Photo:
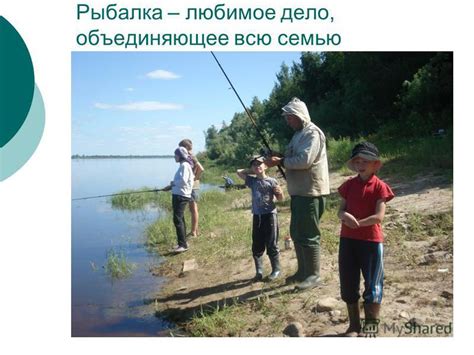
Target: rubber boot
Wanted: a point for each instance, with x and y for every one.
(311, 267)
(299, 275)
(275, 262)
(258, 268)
(371, 321)
(353, 312)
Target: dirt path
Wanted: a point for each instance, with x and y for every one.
(418, 277)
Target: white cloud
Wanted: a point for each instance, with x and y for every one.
(129, 89)
(162, 75)
(140, 106)
(103, 106)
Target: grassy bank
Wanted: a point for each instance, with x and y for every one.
(223, 225)
(402, 158)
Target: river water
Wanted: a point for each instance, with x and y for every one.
(101, 305)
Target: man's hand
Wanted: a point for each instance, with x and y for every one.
(272, 161)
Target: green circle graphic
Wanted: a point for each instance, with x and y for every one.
(17, 81)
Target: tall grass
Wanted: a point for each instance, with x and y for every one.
(407, 157)
(339, 152)
(221, 321)
(117, 266)
(138, 199)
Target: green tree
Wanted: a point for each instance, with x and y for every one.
(426, 102)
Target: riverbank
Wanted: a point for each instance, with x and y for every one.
(216, 297)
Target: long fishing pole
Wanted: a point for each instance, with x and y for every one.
(249, 114)
(119, 194)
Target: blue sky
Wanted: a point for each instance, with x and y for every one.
(146, 102)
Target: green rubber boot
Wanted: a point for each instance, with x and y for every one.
(299, 275)
(311, 267)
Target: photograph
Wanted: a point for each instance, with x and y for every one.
(261, 194)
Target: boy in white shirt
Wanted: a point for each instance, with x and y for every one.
(181, 188)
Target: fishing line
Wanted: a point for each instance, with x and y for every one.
(119, 194)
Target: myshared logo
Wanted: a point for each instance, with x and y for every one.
(372, 327)
(413, 328)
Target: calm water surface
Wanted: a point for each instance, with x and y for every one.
(102, 306)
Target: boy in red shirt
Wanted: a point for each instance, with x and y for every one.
(361, 245)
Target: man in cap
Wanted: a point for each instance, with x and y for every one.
(307, 175)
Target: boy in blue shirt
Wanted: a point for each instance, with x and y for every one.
(265, 223)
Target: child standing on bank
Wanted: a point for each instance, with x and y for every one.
(265, 223)
(193, 204)
(361, 212)
(181, 188)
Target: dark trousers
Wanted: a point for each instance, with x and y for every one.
(265, 234)
(356, 256)
(179, 205)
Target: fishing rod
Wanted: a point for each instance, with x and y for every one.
(249, 114)
(119, 194)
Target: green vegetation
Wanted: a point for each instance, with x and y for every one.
(137, 200)
(117, 266)
(219, 322)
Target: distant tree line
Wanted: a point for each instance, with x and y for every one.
(397, 94)
(79, 156)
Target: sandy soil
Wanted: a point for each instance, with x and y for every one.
(418, 279)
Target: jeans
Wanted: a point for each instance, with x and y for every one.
(179, 205)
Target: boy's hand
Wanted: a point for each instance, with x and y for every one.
(350, 221)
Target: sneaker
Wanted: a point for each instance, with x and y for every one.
(180, 249)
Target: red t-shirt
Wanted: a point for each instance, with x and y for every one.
(361, 198)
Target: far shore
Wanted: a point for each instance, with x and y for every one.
(76, 156)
